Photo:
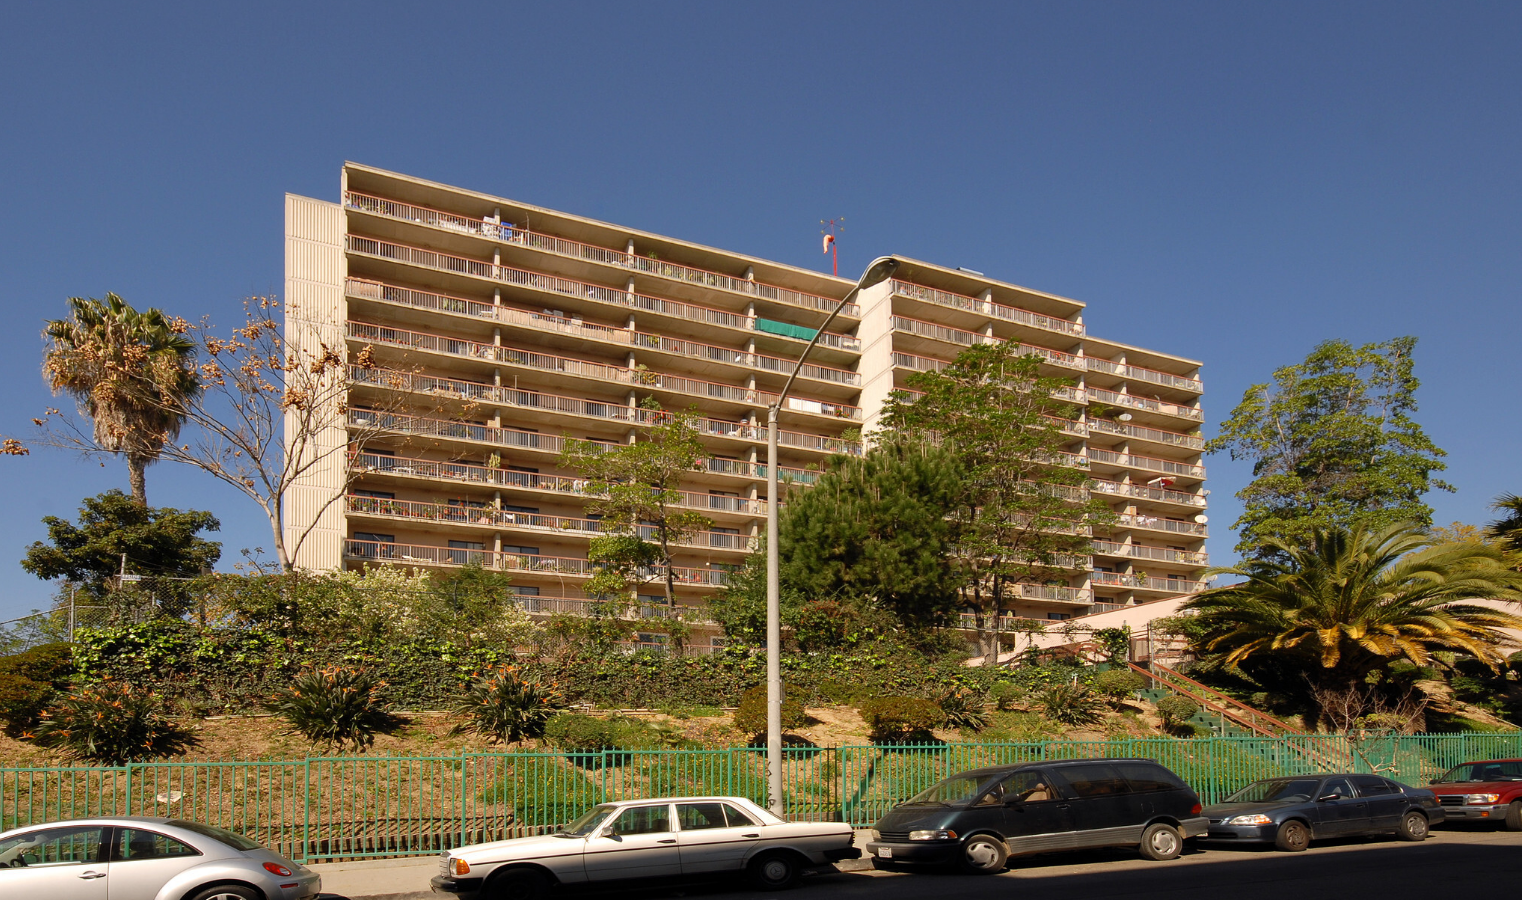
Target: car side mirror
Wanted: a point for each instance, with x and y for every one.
(1013, 801)
(1325, 797)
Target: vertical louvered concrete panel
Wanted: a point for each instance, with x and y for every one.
(314, 315)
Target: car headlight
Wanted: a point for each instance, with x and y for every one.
(1481, 799)
(876, 835)
(1255, 819)
(943, 834)
(459, 867)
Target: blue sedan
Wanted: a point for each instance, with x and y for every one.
(1291, 812)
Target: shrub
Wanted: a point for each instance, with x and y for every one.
(113, 723)
(750, 716)
(505, 707)
(1005, 694)
(963, 708)
(1117, 685)
(49, 664)
(335, 707)
(22, 701)
(1175, 710)
(580, 733)
(896, 720)
(1070, 704)
(541, 794)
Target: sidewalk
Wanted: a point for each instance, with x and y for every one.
(407, 878)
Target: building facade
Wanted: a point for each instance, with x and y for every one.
(481, 332)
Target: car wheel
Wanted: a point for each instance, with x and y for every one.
(984, 855)
(1161, 841)
(517, 884)
(1293, 837)
(228, 892)
(774, 871)
(1413, 827)
(1514, 816)
(884, 865)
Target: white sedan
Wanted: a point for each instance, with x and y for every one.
(659, 839)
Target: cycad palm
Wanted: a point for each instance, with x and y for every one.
(130, 372)
(1351, 602)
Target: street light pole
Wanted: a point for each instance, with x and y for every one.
(880, 270)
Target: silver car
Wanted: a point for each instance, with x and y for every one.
(140, 858)
(673, 838)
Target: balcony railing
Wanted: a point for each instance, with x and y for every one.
(1148, 583)
(457, 514)
(986, 307)
(1138, 551)
(1173, 526)
(1101, 395)
(576, 606)
(1145, 492)
(493, 436)
(1054, 592)
(604, 255)
(1131, 460)
(970, 338)
(427, 555)
(623, 337)
(1140, 374)
(1141, 432)
(470, 473)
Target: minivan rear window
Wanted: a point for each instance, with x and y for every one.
(1094, 780)
(1148, 777)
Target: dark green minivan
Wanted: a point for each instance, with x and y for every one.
(979, 819)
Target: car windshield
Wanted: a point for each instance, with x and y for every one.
(1483, 771)
(956, 789)
(588, 821)
(236, 841)
(1277, 790)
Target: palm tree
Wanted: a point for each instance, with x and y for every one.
(1349, 603)
(131, 373)
(1508, 529)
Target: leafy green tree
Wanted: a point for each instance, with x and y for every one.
(1022, 515)
(1333, 446)
(635, 487)
(158, 541)
(1508, 528)
(879, 528)
(1337, 611)
(131, 373)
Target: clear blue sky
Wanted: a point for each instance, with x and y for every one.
(1228, 181)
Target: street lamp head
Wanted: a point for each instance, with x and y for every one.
(881, 270)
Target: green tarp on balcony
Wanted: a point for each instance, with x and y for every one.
(784, 329)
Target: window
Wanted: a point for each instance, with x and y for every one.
(137, 844)
(1058, 616)
(373, 546)
(738, 819)
(1372, 785)
(231, 839)
(379, 495)
(1028, 786)
(1337, 786)
(474, 554)
(520, 509)
(70, 845)
(642, 820)
(524, 590)
(1095, 780)
(1147, 777)
(698, 816)
(514, 548)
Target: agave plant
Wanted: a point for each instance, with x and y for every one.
(504, 706)
(338, 707)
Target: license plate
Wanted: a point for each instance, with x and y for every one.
(885, 852)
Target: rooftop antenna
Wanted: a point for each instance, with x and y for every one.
(831, 227)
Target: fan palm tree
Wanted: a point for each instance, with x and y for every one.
(1349, 603)
(131, 373)
(1509, 528)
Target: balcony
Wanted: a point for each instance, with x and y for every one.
(969, 338)
(1162, 554)
(1171, 526)
(1174, 586)
(1100, 395)
(1144, 492)
(1143, 433)
(986, 308)
(491, 517)
(1131, 460)
(1137, 373)
(553, 566)
(510, 234)
(494, 437)
(561, 485)
(536, 605)
(620, 337)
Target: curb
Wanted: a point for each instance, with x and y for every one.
(848, 865)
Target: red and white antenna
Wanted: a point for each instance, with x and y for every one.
(831, 227)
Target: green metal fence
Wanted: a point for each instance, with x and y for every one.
(328, 808)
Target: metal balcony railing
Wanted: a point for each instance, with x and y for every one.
(1172, 467)
(1148, 583)
(1145, 492)
(1138, 373)
(1173, 526)
(570, 566)
(1100, 395)
(986, 307)
(510, 234)
(1138, 551)
(1141, 432)
(970, 338)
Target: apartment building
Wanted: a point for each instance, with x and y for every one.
(495, 329)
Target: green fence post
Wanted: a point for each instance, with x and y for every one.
(127, 798)
(306, 809)
(463, 770)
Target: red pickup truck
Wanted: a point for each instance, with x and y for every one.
(1486, 791)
